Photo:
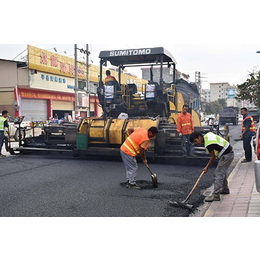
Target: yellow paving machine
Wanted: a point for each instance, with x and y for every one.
(155, 103)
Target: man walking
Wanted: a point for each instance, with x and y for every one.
(185, 127)
(219, 148)
(248, 131)
(136, 144)
(3, 124)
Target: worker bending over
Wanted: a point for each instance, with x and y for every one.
(217, 147)
(136, 144)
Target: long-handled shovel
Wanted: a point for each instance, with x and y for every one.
(184, 204)
(154, 177)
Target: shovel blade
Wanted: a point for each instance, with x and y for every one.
(180, 204)
(154, 180)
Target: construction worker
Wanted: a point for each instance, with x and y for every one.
(3, 124)
(136, 144)
(185, 127)
(248, 131)
(219, 148)
(109, 77)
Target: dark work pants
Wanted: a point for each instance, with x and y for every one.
(248, 148)
(2, 135)
(186, 141)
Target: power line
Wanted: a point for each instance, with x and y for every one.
(20, 54)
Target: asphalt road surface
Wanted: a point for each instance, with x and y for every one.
(62, 186)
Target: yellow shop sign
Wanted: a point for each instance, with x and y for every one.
(46, 61)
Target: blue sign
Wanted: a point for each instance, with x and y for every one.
(51, 78)
(231, 93)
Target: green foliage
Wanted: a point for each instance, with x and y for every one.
(215, 107)
(223, 102)
(250, 90)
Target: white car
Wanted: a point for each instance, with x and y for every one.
(13, 128)
(257, 162)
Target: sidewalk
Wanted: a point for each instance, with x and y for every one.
(243, 200)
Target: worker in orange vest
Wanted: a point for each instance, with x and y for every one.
(136, 144)
(185, 128)
(109, 77)
(248, 131)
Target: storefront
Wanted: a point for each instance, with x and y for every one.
(39, 105)
(44, 87)
(50, 92)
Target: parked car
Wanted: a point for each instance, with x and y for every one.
(257, 162)
(13, 128)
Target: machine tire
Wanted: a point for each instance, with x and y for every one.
(16, 135)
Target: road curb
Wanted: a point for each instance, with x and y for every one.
(207, 208)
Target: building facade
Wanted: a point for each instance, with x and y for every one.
(44, 87)
(206, 95)
(223, 90)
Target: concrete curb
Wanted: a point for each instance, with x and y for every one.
(208, 207)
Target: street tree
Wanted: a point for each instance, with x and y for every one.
(250, 89)
(215, 107)
(223, 102)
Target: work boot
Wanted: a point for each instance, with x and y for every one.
(246, 161)
(213, 197)
(133, 186)
(225, 192)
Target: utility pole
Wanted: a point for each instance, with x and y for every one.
(198, 81)
(76, 84)
(88, 87)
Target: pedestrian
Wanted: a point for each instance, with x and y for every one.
(219, 148)
(185, 127)
(136, 144)
(248, 131)
(3, 124)
(109, 77)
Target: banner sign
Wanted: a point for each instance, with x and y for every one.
(46, 61)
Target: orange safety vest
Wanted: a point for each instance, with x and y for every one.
(252, 128)
(185, 124)
(109, 78)
(258, 149)
(132, 145)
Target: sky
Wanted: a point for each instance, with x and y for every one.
(217, 62)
